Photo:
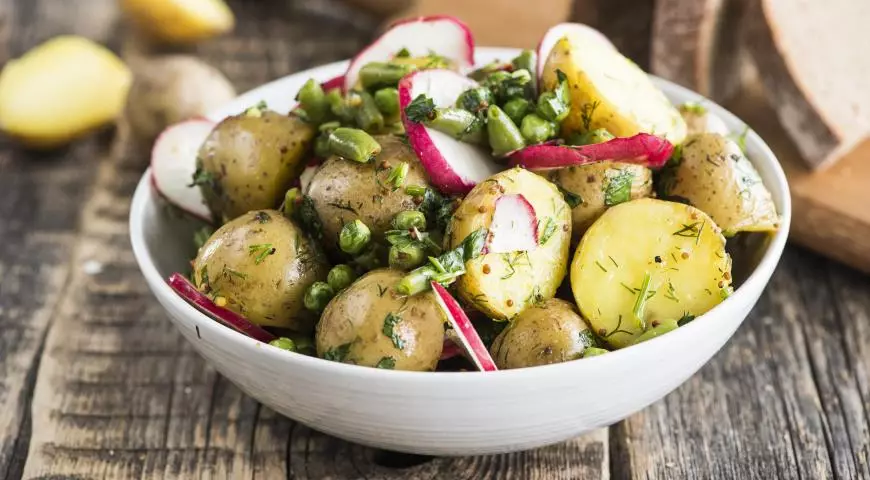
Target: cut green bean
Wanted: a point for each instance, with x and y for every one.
(377, 75)
(284, 343)
(313, 101)
(406, 257)
(504, 136)
(340, 277)
(367, 115)
(338, 105)
(354, 237)
(353, 144)
(409, 219)
(459, 124)
(551, 107)
(536, 129)
(485, 71)
(527, 60)
(292, 199)
(321, 146)
(317, 296)
(415, 190)
(517, 109)
(475, 99)
(387, 100)
(328, 126)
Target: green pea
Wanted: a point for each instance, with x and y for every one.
(340, 277)
(313, 101)
(406, 256)
(593, 352)
(475, 99)
(354, 237)
(459, 124)
(317, 296)
(536, 130)
(662, 328)
(387, 100)
(353, 144)
(377, 75)
(410, 219)
(551, 107)
(367, 115)
(517, 109)
(504, 136)
(284, 343)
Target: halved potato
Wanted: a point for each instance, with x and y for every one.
(673, 252)
(503, 284)
(180, 21)
(592, 189)
(609, 91)
(715, 176)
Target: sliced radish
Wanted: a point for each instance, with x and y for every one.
(173, 163)
(643, 149)
(337, 82)
(440, 34)
(450, 350)
(514, 225)
(572, 30)
(453, 166)
(229, 318)
(464, 330)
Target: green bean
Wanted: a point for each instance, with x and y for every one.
(409, 219)
(354, 237)
(328, 126)
(459, 124)
(485, 71)
(509, 85)
(340, 277)
(284, 343)
(406, 257)
(415, 190)
(536, 130)
(338, 105)
(527, 60)
(367, 115)
(416, 280)
(599, 135)
(353, 144)
(475, 99)
(376, 75)
(397, 175)
(321, 146)
(551, 107)
(387, 100)
(504, 136)
(517, 108)
(446, 268)
(291, 200)
(317, 296)
(593, 352)
(662, 328)
(313, 101)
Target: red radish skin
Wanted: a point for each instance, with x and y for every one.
(454, 167)
(643, 149)
(556, 32)
(228, 318)
(450, 350)
(514, 226)
(173, 163)
(464, 330)
(443, 35)
(337, 82)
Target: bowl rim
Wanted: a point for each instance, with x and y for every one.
(754, 282)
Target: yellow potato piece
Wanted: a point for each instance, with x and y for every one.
(61, 90)
(609, 91)
(677, 246)
(180, 21)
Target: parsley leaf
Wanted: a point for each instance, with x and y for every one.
(387, 363)
(618, 188)
(420, 109)
(390, 322)
(337, 354)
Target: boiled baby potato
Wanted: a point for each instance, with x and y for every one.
(502, 285)
(714, 175)
(250, 160)
(592, 189)
(60, 91)
(170, 89)
(647, 261)
(550, 332)
(180, 21)
(370, 324)
(609, 91)
(343, 190)
(259, 265)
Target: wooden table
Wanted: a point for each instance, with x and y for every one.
(95, 382)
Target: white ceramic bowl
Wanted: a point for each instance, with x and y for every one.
(448, 413)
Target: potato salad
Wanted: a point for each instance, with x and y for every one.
(422, 212)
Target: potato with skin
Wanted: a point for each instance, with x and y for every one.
(502, 285)
(370, 324)
(609, 91)
(596, 187)
(647, 261)
(259, 265)
(551, 332)
(180, 21)
(715, 176)
(249, 161)
(343, 190)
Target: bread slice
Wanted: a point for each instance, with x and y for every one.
(813, 57)
(696, 43)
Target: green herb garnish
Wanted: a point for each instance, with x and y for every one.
(389, 329)
(618, 188)
(261, 251)
(640, 303)
(420, 109)
(387, 363)
(337, 354)
(549, 228)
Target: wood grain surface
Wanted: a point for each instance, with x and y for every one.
(96, 383)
